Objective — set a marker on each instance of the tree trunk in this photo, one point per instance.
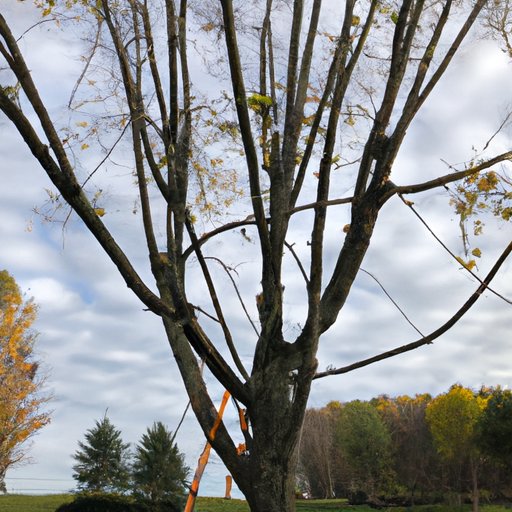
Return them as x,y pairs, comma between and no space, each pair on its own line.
276,416
3,487
475,494
273,485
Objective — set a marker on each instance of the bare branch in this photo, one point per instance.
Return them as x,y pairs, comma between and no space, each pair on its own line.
452,50
215,300
87,63
426,340
297,89
250,221
293,60
336,67
317,235
235,286
299,263
448,178
63,178
245,129
330,202
148,34
374,149
393,301
222,229
412,103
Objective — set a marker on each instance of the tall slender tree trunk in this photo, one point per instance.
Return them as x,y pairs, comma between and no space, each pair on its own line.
475,493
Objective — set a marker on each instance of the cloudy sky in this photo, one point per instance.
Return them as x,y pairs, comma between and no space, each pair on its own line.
103,351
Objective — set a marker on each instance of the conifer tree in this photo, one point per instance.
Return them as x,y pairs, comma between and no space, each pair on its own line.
494,429
102,460
159,470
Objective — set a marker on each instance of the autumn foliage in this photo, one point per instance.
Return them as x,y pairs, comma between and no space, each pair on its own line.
454,448
21,400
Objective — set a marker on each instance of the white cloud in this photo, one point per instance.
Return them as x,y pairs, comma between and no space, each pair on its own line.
104,351
53,296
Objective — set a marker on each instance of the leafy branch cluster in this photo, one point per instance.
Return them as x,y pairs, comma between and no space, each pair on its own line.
476,195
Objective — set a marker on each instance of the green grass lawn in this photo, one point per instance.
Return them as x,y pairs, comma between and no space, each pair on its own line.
221,505
21,503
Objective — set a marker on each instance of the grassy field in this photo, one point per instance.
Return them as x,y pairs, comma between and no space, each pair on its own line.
21,503
221,505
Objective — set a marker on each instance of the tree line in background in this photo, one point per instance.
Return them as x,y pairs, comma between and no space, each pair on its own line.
454,447
110,476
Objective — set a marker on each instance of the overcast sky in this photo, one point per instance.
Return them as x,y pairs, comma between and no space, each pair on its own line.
103,351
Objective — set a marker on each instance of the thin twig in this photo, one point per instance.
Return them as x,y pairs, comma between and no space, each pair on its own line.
175,433
182,419
445,247
95,170
505,121
33,26
91,174
228,272
205,313
87,64
393,301
299,263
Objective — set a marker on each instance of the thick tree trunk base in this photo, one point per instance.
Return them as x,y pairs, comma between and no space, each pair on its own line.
272,494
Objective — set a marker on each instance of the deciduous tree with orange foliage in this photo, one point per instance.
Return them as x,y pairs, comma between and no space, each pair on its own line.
21,400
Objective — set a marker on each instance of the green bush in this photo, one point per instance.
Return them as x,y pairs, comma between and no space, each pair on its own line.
103,502
165,505
357,498
99,502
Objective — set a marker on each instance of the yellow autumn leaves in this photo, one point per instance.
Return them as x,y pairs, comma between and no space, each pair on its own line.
474,196
453,417
20,383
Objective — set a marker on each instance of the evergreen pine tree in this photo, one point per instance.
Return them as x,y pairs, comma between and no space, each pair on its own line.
159,470
102,460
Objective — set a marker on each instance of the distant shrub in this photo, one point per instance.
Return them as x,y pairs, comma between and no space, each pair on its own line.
99,502
357,498
103,502
165,505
